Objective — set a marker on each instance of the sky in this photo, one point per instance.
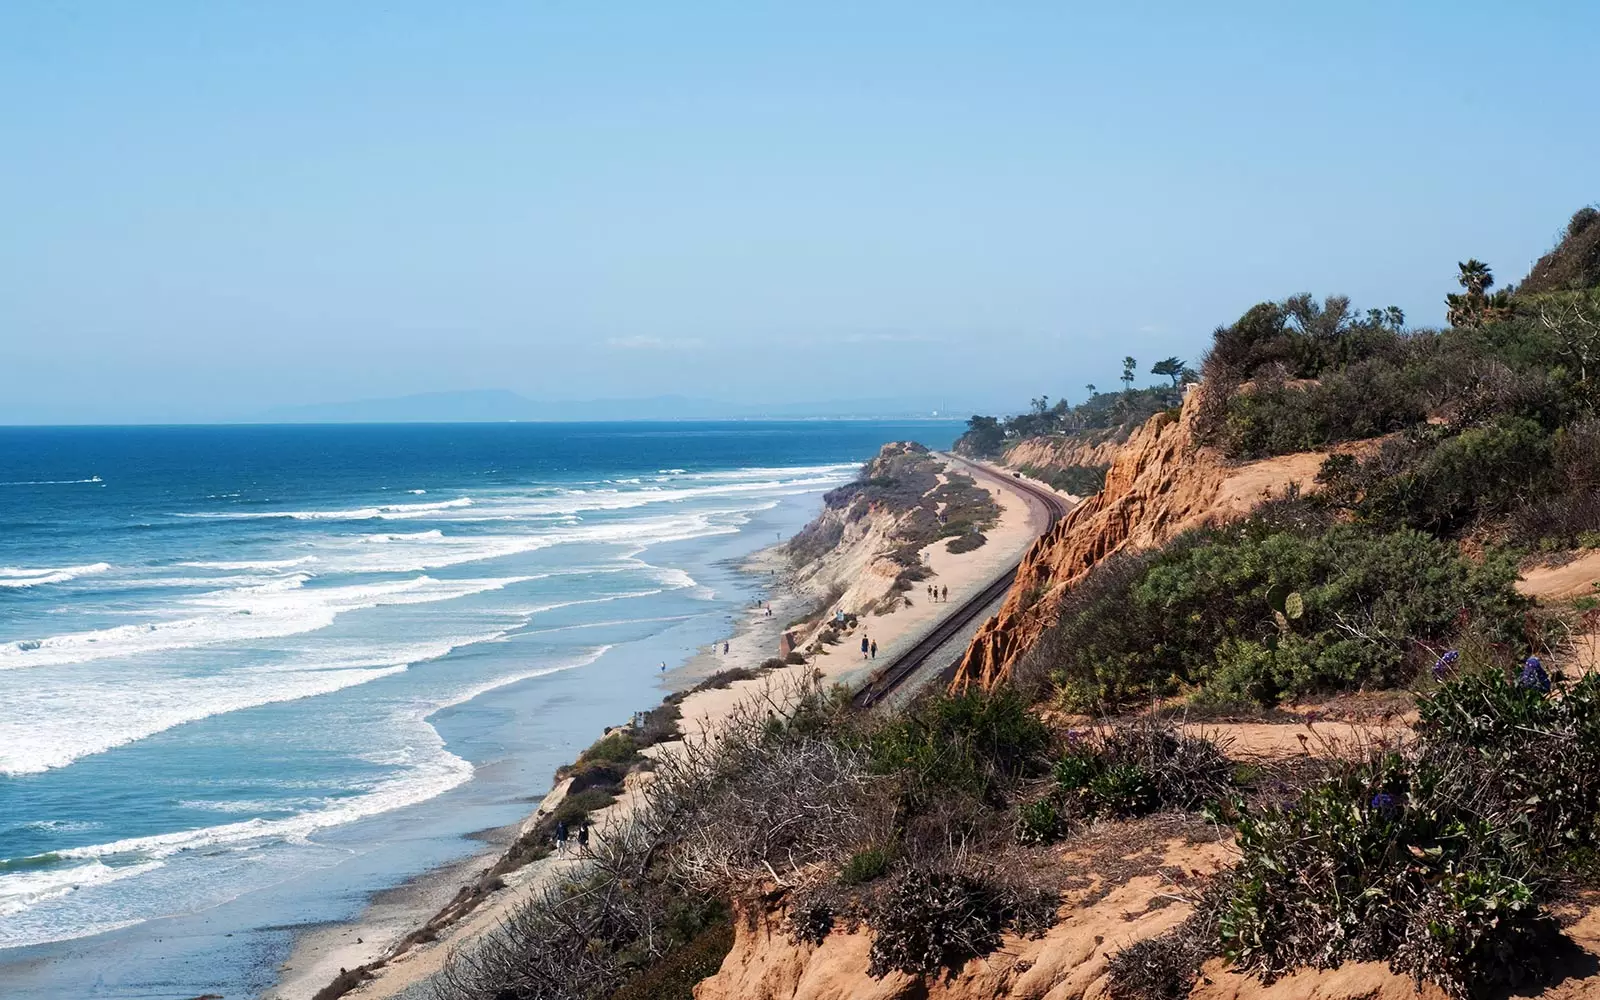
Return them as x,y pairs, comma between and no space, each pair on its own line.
211,209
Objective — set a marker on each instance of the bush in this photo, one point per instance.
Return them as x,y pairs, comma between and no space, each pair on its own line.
1373,864
673,977
866,865
966,542
1134,769
614,748
1434,856
932,921
1208,611
1079,480
575,808
726,678
976,742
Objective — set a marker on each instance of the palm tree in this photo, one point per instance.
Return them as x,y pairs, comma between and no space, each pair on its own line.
1129,366
1476,306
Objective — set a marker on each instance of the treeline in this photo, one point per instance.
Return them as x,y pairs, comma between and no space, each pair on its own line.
1112,414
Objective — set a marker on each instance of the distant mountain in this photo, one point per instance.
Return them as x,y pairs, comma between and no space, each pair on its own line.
493,405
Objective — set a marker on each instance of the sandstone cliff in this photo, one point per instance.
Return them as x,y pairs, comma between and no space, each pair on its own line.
1062,452
1161,482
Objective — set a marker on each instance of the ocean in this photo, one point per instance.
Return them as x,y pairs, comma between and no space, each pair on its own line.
251,674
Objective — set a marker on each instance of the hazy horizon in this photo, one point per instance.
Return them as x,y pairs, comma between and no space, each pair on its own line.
214,212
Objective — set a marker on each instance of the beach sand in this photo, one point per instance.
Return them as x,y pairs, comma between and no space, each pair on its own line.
321,953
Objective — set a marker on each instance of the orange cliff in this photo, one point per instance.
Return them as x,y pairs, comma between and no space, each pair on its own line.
1161,482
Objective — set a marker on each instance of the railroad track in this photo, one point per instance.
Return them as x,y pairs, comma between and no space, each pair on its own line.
906,664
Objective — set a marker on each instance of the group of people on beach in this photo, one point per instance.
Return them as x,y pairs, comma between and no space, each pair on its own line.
561,838
938,593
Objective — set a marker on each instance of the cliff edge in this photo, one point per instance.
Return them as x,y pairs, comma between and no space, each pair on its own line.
1161,482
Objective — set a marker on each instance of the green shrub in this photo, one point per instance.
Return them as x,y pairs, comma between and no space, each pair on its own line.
1434,856
866,865
966,542
575,808
1134,769
673,977
975,742
1205,612
615,748
1373,864
1038,822
726,678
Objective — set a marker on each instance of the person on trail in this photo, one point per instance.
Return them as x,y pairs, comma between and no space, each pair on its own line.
724,649
561,837
864,645
874,649
946,596
583,838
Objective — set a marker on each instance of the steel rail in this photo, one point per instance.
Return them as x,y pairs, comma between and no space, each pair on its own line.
908,662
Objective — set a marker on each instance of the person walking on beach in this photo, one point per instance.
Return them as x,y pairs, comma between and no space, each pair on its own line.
874,649
724,649
561,838
864,645
946,596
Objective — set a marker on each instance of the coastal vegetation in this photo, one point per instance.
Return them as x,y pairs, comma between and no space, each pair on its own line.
1444,848
925,499
1102,417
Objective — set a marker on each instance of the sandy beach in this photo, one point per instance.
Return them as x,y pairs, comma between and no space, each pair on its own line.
320,953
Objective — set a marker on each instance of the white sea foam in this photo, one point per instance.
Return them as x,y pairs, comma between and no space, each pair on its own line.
275,609
478,690
13,576
249,564
41,730
394,511
24,889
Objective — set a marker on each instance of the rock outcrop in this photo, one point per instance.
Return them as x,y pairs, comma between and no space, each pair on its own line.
1161,482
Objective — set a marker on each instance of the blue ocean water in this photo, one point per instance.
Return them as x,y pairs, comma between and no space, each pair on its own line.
244,666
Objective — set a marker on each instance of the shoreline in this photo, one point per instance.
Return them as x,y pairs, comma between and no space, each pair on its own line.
321,952
387,928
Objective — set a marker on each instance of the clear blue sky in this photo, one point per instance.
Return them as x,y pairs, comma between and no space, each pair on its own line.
211,208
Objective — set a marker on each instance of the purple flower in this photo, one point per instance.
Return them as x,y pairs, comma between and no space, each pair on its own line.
1442,665
1533,676
1383,803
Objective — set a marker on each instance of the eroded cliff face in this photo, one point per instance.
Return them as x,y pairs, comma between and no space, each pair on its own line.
1061,452
1161,482
1069,962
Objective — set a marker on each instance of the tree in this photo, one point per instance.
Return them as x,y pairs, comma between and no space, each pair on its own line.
1573,319
1172,368
1475,306
1091,388
1129,366
1041,405
984,436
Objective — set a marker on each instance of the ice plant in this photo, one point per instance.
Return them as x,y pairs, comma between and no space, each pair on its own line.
1533,676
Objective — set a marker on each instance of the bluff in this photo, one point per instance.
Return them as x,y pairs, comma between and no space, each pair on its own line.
1161,482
